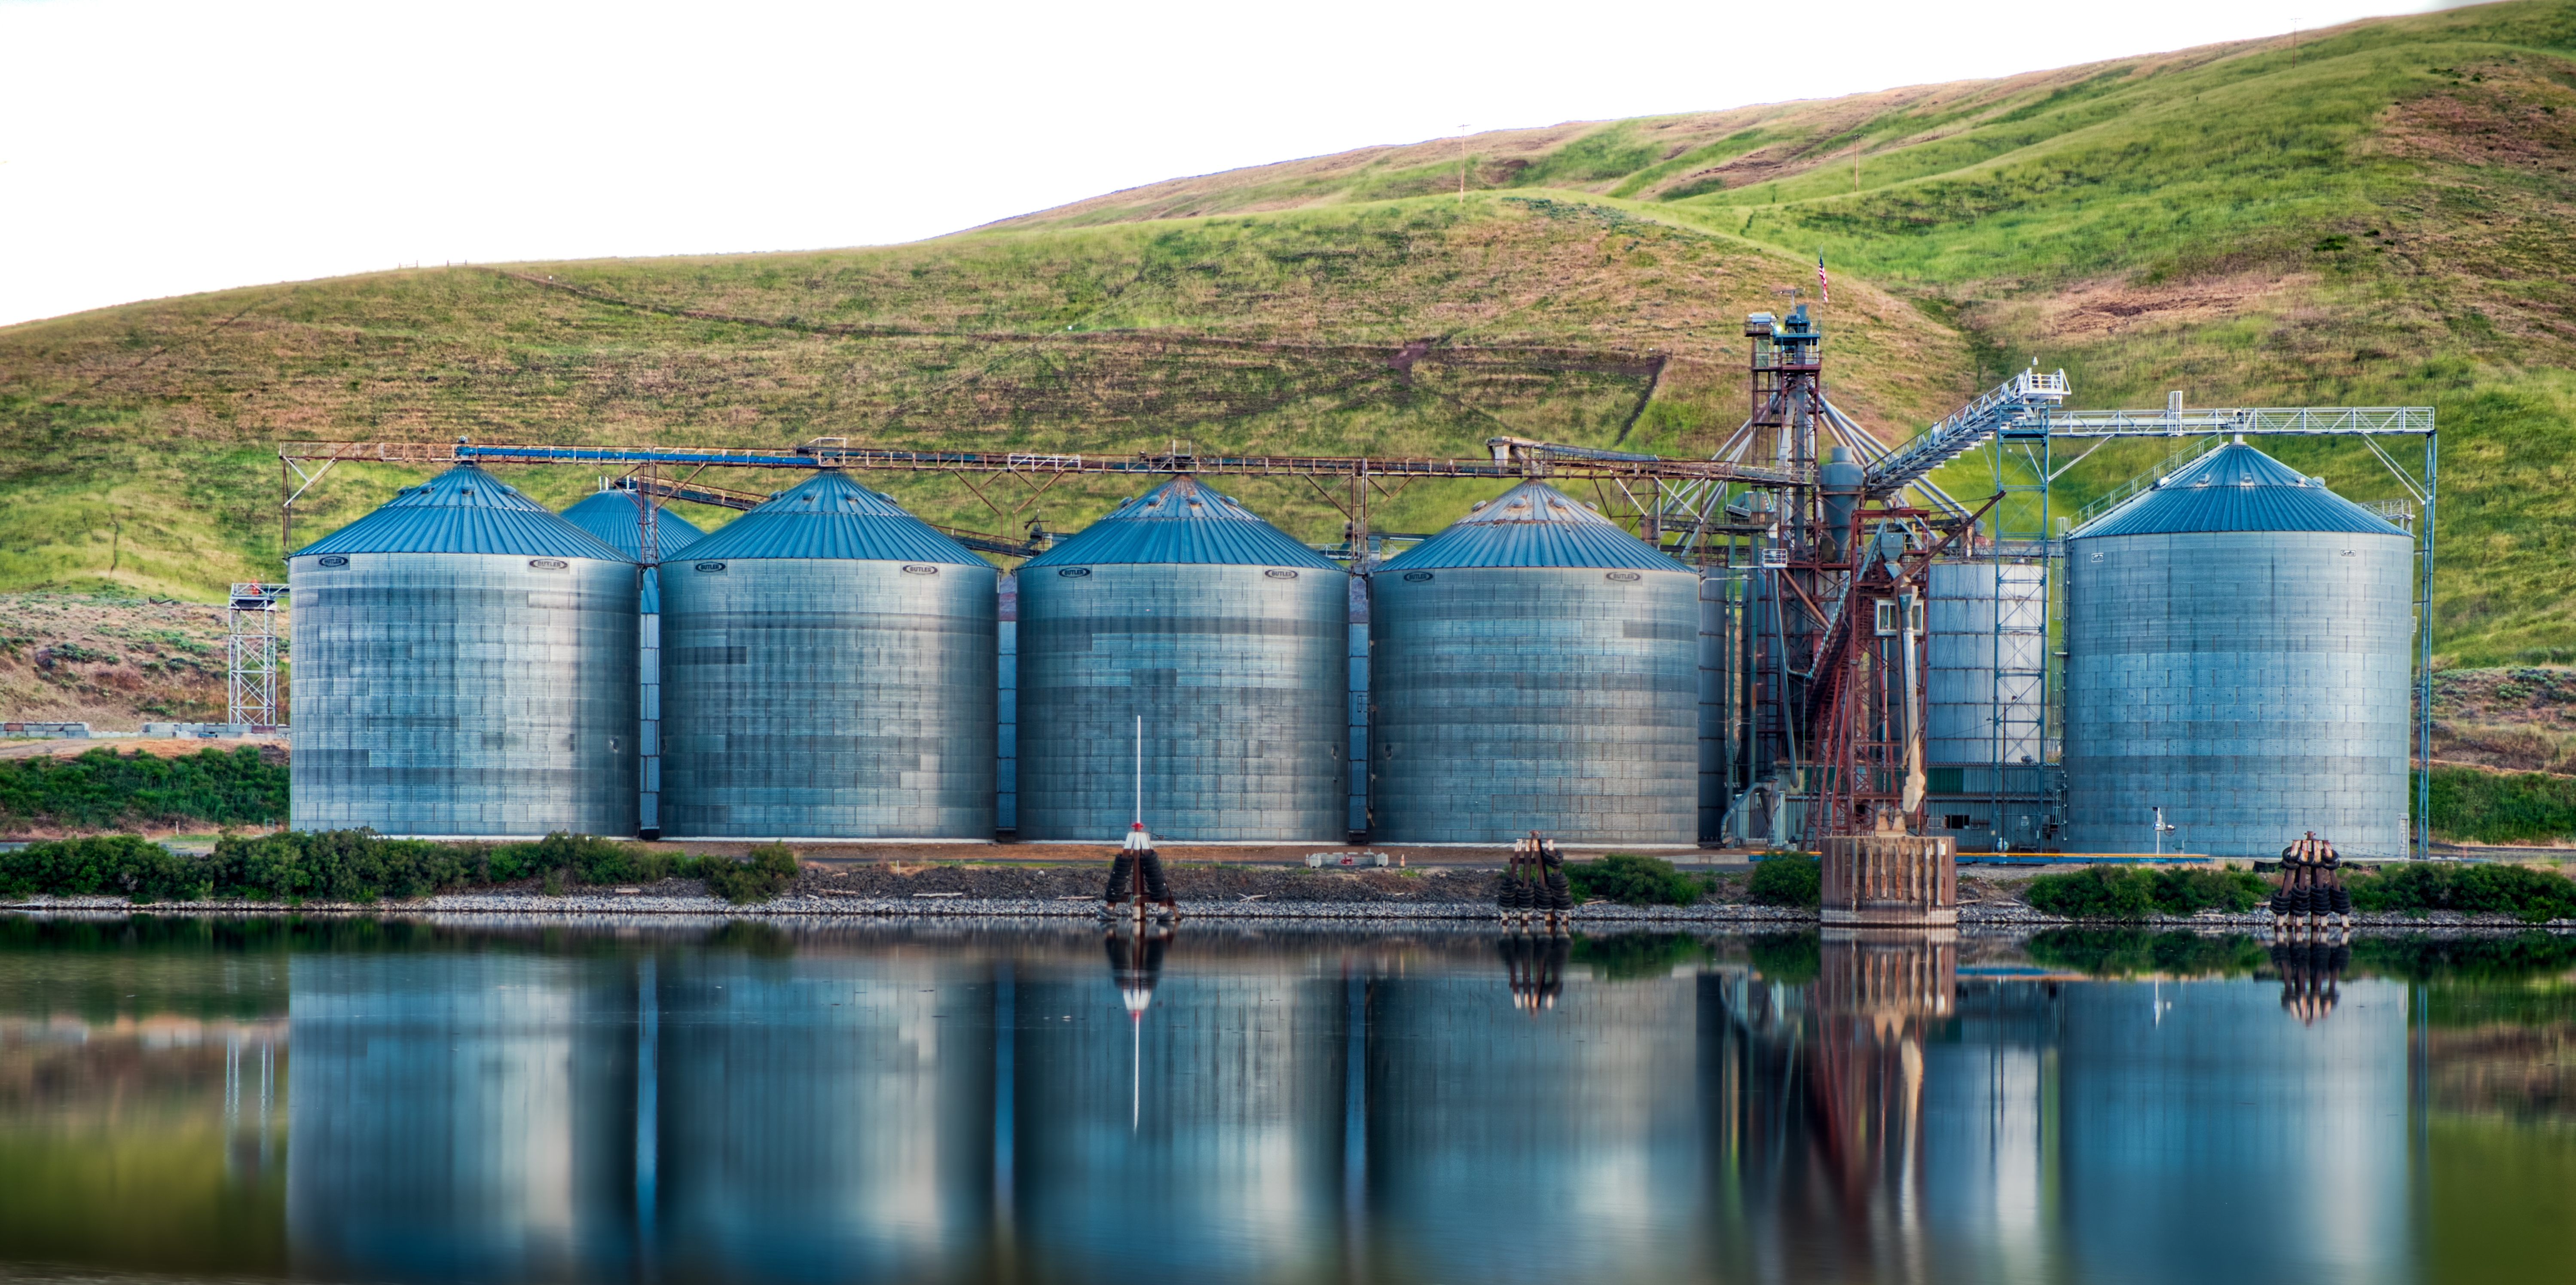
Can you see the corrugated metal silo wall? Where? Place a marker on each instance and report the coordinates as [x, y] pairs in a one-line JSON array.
[[1006, 708], [828, 698], [648, 669], [1240, 673], [1357, 717], [1558, 699], [1984, 691], [465, 694], [1721, 669], [2255, 685]]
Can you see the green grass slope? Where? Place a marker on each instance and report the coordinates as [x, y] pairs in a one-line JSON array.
[[137, 443], [2371, 214]]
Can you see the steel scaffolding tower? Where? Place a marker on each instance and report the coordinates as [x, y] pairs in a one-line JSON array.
[[251, 681]]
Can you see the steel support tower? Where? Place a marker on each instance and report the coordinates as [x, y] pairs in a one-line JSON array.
[[252, 690]]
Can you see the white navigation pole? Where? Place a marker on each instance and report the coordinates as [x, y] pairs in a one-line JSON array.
[[1139, 818]]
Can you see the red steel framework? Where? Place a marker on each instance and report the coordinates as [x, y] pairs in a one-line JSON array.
[[1838, 657]]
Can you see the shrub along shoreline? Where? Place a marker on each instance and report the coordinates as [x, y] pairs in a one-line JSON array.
[[360, 867], [2126, 893]]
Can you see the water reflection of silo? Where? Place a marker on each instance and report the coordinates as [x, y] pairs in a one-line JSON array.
[[1990, 1137], [1508, 1144], [459, 1117], [2210, 1136], [1204, 1142], [824, 1118]]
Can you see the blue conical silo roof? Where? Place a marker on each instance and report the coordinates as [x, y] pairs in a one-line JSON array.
[[464, 510], [2236, 488], [1183, 521], [1533, 525], [828, 516], [614, 517]]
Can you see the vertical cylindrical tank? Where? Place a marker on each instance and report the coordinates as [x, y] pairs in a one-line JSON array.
[[617, 518], [1006, 710], [2238, 654], [1988, 644], [1537, 668], [1227, 637], [830, 662], [465, 664], [1721, 678]]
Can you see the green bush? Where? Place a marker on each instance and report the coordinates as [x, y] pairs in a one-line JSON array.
[[764, 876], [2184, 890], [347, 866], [1632, 880], [2418, 887], [2095, 892], [2129, 892], [115, 865], [103, 788], [339, 865], [1792, 879]]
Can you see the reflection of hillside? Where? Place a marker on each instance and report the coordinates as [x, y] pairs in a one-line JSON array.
[[2522, 1073], [67, 1070], [144, 1143]]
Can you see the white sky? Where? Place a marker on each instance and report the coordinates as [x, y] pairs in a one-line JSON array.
[[161, 147]]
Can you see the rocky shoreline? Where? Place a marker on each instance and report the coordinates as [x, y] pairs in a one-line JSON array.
[[687, 899]]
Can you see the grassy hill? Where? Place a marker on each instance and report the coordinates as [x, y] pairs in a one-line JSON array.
[[2371, 214]]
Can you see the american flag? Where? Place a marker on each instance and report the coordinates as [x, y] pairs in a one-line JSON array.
[[1824, 288]]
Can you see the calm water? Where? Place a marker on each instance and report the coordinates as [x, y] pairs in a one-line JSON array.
[[475, 1102]]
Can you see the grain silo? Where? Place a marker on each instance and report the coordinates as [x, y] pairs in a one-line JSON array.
[[1537, 668], [2238, 645], [617, 518], [1228, 638], [465, 664], [828, 668], [1985, 701]]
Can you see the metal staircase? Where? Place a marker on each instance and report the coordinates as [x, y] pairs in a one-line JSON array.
[[2024, 399]]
